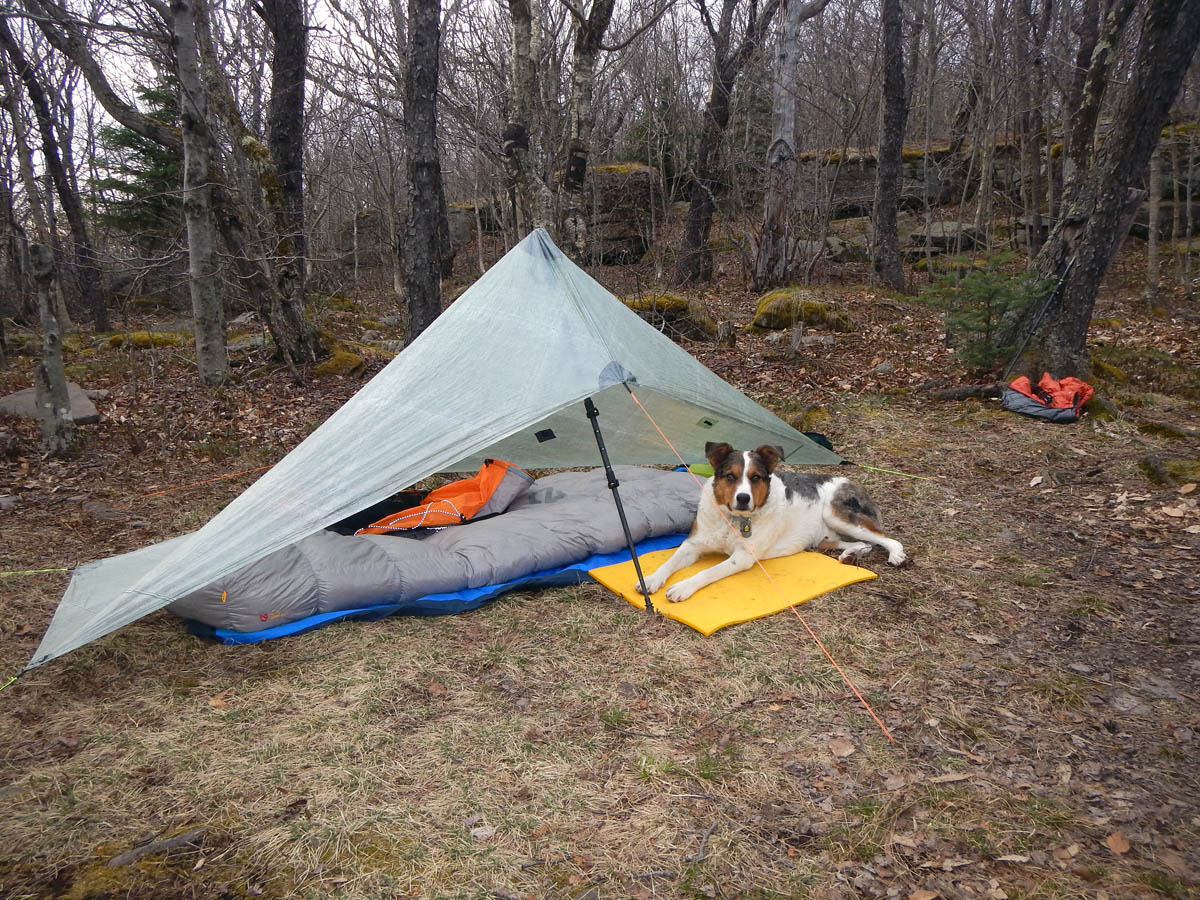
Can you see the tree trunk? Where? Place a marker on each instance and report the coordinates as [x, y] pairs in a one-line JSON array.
[[533, 202], [87, 269], [285, 115], [423, 245], [50, 381], [773, 263], [588, 37], [891, 146], [1154, 201], [258, 222], [1098, 215], [211, 356], [695, 258]]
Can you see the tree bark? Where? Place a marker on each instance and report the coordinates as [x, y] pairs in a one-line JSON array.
[[212, 358], [87, 270], [285, 119], [50, 380], [773, 264], [1099, 213], [886, 259], [259, 221], [532, 199], [589, 35], [423, 244], [1154, 202], [695, 258]]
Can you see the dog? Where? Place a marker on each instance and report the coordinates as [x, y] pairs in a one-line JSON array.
[[749, 511]]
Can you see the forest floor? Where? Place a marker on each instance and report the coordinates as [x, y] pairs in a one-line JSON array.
[[1038, 666]]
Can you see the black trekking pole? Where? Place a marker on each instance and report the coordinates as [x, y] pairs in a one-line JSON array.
[[594, 415], [1037, 323]]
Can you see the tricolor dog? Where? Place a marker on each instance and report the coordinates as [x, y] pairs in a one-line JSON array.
[[749, 511]]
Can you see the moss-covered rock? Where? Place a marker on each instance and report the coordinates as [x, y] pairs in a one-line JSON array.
[[675, 315], [146, 339], [340, 362], [786, 307]]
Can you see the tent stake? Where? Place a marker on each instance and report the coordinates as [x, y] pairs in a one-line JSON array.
[[594, 415]]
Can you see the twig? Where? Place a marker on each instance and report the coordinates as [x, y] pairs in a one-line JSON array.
[[655, 875], [700, 854], [165, 845]]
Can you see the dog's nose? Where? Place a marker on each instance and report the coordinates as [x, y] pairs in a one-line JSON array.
[[742, 501]]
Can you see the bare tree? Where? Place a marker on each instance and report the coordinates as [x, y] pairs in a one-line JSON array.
[[733, 46], [1100, 208], [423, 244], [53, 151], [774, 263], [212, 358], [886, 258]]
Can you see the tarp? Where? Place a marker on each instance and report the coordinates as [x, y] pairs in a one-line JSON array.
[[503, 372]]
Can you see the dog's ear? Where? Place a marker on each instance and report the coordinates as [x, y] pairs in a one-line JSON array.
[[716, 453], [771, 456]]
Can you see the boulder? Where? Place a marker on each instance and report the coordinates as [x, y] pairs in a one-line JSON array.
[[24, 403], [675, 316], [787, 307]]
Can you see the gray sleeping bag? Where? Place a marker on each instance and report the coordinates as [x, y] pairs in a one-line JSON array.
[[561, 519]]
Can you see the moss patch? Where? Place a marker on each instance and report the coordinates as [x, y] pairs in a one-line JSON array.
[[1182, 470], [786, 307], [146, 339], [1147, 368]]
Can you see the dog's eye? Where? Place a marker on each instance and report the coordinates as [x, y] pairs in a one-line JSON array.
[[731, 478], [756, 478]]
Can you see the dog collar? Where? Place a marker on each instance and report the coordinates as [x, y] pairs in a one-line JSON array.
[[743, 524]]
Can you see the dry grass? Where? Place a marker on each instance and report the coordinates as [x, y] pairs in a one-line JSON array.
[[1038, 675]]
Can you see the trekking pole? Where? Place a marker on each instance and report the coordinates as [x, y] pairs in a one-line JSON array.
[[1037, 323], [594, 415]]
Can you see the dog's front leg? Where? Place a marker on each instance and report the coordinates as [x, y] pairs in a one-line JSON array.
[[738, 561], [685, 554]]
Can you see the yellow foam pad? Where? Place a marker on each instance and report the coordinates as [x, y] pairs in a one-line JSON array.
[[787, 581]]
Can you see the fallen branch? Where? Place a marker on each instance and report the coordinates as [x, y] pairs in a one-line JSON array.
[[991, 389], [163, 845]]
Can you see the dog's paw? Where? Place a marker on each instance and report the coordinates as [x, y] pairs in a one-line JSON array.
[[653, 584], [897, 558], [677, 593], [855, 552]]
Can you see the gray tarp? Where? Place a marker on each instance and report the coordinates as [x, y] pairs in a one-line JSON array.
[[502, 372]]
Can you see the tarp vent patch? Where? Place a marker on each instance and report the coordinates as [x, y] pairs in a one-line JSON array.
[[546, 434], [706, 423]]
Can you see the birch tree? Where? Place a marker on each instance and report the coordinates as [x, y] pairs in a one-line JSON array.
[[774, 250], [212, 358]]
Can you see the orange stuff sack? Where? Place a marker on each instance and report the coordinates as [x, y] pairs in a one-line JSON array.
[[487, 493]]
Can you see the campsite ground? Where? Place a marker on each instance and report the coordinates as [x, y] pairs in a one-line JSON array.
[[1038, 666]]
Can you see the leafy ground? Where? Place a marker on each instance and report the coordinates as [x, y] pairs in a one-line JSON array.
[[1038, 666]]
